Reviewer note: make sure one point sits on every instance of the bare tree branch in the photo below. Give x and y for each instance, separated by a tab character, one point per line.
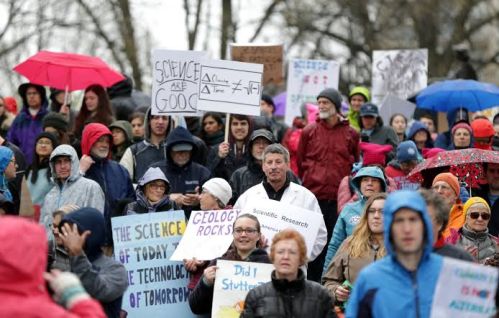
268	13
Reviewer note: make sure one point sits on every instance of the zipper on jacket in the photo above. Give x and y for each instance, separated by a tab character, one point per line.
415	290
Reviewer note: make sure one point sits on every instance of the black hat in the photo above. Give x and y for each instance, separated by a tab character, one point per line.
369	109
333	95
263	133
55	120
48	135
266	98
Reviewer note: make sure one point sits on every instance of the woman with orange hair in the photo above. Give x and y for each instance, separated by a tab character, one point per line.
289	294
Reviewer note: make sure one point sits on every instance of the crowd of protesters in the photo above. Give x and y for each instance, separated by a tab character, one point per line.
72	171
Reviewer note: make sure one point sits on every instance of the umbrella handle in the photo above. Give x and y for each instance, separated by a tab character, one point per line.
66	91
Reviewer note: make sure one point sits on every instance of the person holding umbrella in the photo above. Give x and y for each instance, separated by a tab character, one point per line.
28	124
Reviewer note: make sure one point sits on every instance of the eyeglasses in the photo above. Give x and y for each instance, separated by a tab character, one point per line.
475	215
249	231
373	211
156	187
42	142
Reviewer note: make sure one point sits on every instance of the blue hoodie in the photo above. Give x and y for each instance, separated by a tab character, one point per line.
416	127
6	156
386	288
350	215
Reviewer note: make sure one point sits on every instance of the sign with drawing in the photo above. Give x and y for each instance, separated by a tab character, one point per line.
306	79
230	87
401	73
176	76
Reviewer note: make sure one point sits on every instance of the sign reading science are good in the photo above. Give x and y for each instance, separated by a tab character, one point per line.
275	216
144	244
230	87
176	76
208	235
472	294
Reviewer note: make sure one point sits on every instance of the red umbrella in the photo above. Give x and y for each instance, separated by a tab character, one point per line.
465	164
67	71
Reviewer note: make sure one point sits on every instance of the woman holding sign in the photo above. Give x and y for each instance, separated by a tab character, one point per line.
289	294
246	232
225	158
360	249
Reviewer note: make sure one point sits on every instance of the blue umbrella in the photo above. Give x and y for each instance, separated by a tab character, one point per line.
452	94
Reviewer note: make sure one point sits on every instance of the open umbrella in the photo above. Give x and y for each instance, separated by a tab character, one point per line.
67	71
465	164
452	94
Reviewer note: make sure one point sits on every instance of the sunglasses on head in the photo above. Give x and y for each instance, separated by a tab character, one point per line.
475	215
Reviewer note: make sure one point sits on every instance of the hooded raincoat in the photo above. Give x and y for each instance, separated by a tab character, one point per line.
23	260
350	215
386	288
104	278
6	156
75	189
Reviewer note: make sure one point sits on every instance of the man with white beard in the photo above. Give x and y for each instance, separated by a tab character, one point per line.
96	164
327	150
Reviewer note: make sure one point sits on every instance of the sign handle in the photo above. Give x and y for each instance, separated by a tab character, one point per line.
227	124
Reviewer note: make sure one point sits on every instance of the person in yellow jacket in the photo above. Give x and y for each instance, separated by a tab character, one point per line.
358	96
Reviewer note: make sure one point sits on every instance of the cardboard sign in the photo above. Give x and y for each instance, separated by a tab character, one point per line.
275	216
233	282
401	73
472	293
176	76
306	79
230	87
270	55
208	235
144	244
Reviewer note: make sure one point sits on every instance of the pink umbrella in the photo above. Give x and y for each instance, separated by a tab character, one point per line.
67	71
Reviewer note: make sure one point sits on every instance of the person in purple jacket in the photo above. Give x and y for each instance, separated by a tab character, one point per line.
28	124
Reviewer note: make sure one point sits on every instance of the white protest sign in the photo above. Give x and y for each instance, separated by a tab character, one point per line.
306	79
275	216
230	87
208	235
144	244
398	72
175	82
233	282
472	293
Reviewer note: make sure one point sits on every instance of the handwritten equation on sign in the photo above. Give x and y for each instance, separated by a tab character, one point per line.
229	83
176	79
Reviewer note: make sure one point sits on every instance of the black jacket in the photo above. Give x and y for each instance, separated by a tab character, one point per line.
453	252
483	193
201	298
225	167
289	299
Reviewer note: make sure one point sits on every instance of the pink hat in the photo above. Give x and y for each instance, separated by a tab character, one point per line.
431	152
374	153
462	125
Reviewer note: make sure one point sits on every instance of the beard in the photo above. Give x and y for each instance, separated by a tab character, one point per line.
327	114
100	153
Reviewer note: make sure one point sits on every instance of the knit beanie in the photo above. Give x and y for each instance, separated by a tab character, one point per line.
219	188
407	151
268	99
462	125
333	95
474	200
450	179
374	153
431	152
482	128
53	138
55	120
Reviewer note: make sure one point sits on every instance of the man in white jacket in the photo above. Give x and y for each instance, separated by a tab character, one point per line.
277	186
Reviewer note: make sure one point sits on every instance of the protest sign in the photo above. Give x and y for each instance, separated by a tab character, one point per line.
401	73
175	82
275	216
270	55
208	235
144	244
472	293
306	79
392	104
233	282
230	87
